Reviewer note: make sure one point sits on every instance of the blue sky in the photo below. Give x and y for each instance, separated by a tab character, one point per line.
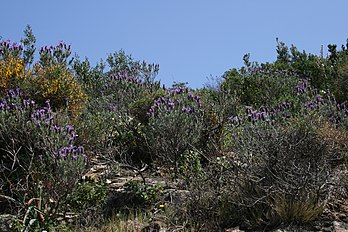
191	40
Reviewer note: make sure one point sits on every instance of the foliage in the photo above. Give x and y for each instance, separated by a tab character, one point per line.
115	116
119	62
12	66
50	77
29	45
323	72
288	164
12	74
143	193
207	203
40	159
93	79
57	83
53	55
266	145
88	194
175	124
260	85
219	104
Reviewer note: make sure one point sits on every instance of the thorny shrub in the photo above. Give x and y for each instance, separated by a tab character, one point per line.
283	166
276	174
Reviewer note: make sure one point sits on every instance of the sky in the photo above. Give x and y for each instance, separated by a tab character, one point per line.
193	41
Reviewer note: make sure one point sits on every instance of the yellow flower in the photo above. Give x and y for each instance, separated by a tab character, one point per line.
11	70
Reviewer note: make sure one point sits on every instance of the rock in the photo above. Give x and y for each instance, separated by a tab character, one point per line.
235	229
153	227
327	229
6	222
340	226
342	217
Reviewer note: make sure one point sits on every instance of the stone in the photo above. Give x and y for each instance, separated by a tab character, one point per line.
340	226
6	222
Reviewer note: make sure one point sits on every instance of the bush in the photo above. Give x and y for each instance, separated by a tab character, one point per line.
113	134
175	125
282	166
218	104
88	199
260	85
115	116
341	84
276	174
41	161
57	83
12	67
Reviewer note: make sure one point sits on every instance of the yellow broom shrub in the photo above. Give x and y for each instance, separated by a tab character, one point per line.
12	73
58	84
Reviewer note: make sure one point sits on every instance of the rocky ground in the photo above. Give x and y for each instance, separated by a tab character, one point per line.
334	217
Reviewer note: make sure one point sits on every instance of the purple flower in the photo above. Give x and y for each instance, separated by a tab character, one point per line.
69	128
163	99
319	98
11	93
197	98
186	109
81	149
63	152
73	136
263	115
2	106
171	104
56	129
26	103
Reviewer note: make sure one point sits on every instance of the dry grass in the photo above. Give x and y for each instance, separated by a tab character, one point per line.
298	211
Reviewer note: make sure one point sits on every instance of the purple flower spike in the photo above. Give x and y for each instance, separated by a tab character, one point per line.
171	104
69	128
73	136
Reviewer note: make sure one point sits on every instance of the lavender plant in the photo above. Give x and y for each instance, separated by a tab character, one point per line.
307	100
55	54
175	124
37	146
10	50
258	85
115	116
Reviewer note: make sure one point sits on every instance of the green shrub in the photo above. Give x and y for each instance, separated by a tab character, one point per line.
260	85
87	195
143	194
